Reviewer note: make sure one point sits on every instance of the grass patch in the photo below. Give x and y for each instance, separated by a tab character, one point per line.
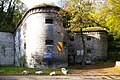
15	70
77	69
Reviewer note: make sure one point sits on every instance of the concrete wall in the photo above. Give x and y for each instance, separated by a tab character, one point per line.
95	44
6	48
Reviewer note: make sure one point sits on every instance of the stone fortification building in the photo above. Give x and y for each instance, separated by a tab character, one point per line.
40	40
95	46
40	31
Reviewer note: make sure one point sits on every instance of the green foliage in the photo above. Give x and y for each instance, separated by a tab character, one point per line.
109	16
114	55
79	13
85	29
44	5
22	60
15	70
10	13
92	28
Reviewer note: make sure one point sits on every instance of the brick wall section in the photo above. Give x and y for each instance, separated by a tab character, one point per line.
6	48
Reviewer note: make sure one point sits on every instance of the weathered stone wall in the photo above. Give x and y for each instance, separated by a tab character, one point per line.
95	46
20	43
36	33
6	48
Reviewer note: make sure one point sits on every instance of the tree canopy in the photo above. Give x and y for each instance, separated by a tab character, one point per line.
109	17
79	14
105	14
10	13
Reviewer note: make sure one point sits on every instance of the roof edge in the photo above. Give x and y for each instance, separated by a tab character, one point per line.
35	7
90	31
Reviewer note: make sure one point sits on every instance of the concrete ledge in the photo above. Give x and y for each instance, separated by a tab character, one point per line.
117	63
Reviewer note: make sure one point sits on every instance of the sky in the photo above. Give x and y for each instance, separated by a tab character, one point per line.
31	3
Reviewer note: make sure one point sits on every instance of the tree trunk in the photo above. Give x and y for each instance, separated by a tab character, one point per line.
2	6
84	51
9	7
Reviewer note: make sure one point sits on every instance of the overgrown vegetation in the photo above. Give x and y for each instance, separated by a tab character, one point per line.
87	29
21	60
45	5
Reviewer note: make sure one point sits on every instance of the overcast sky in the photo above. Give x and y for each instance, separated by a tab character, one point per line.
31	3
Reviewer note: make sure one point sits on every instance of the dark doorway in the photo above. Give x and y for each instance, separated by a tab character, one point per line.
71	60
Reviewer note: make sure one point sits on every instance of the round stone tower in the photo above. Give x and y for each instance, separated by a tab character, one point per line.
45	38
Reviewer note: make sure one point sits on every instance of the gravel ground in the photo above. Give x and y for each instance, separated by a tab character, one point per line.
59	77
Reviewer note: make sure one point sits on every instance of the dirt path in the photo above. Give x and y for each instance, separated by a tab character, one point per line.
105	69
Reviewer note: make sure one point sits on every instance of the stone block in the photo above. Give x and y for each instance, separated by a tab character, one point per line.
117	63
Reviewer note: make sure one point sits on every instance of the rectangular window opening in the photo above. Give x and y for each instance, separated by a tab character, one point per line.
25	45
72	38
49	42
64	43
49	21
89	51
64	25
88	38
